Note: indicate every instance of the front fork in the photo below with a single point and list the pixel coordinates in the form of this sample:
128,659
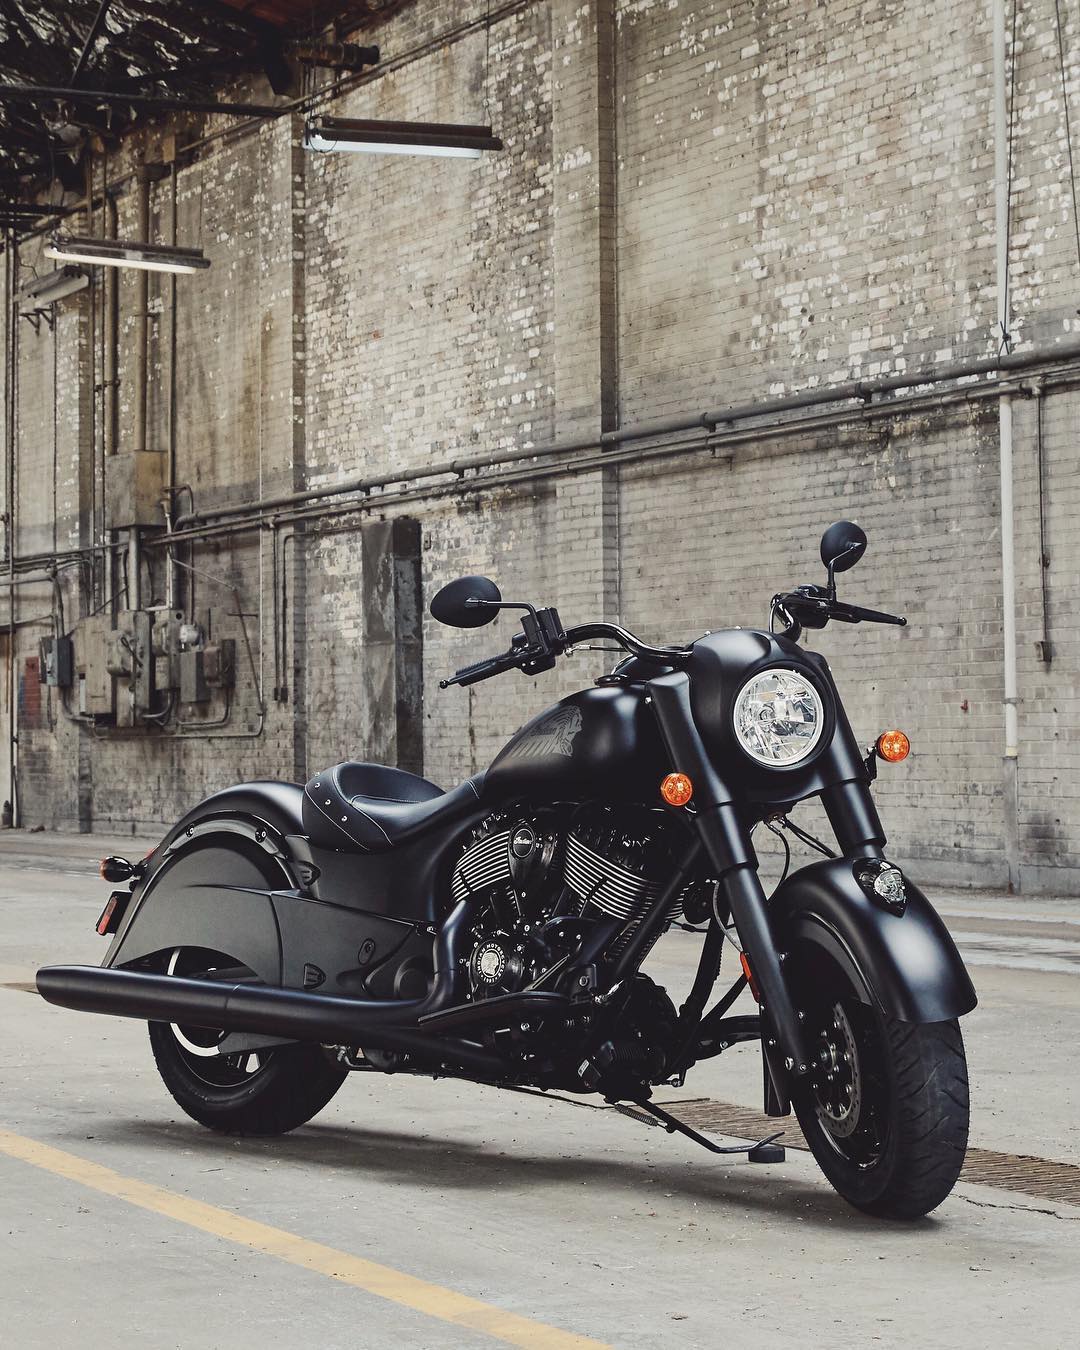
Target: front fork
727,844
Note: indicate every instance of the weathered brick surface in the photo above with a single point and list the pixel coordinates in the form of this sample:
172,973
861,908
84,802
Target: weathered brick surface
697,205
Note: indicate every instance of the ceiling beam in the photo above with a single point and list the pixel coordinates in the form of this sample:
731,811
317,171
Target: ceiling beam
91,38
33,93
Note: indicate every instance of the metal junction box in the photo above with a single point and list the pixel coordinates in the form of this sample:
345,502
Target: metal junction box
193,685
130,658
204,669
134,483
219,663
56,666
92,640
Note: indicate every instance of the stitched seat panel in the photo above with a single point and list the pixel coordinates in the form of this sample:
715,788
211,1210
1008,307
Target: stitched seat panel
373,808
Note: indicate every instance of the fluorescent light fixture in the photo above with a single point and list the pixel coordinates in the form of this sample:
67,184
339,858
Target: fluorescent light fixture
399,138
119,253
54,286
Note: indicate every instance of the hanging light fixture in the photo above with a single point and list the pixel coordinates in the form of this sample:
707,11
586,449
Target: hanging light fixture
120,253
58,285
399,138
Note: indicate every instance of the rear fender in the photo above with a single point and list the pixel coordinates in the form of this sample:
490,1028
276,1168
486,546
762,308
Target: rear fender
210,884
906,963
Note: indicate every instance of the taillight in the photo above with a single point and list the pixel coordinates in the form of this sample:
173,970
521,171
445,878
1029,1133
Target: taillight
113,912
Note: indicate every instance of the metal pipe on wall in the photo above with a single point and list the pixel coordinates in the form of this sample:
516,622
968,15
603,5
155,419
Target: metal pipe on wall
720,444
861,391
1044,646
111,380
142,374
170,460
11,357
142,305
1010,678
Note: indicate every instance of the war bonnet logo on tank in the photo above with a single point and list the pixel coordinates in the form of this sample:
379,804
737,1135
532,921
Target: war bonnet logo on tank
552,734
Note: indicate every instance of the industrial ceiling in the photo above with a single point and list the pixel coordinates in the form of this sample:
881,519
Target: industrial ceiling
156,48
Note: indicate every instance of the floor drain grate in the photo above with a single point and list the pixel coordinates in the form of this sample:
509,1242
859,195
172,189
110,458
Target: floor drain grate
1039,1177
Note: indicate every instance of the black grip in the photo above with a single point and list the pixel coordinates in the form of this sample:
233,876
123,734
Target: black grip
481,670
857,614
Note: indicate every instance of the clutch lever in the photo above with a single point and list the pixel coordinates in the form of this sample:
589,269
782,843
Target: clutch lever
482,670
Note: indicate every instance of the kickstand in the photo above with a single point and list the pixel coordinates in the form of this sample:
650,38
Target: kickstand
764,1151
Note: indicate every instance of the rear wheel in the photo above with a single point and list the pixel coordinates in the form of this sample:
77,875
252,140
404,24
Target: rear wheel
260,1091
886,1110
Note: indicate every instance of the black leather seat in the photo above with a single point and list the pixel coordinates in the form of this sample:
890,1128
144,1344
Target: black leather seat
373,808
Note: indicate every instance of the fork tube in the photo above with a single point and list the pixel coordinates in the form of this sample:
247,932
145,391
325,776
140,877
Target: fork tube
749,910
854,818
723,833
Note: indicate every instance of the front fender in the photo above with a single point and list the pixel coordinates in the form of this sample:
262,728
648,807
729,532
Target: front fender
907,963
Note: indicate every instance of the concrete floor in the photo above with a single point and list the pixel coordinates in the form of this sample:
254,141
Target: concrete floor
577,1221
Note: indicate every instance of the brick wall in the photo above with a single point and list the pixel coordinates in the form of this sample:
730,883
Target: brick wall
697,205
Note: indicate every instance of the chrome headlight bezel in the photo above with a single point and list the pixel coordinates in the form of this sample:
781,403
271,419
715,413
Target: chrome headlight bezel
809,747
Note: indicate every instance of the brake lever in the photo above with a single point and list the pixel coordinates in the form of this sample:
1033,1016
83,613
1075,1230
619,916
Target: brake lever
857,614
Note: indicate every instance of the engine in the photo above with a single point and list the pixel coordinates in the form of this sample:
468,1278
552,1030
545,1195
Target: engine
547,879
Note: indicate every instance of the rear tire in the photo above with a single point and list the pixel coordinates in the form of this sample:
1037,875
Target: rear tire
258,1092
889,1128
291,1085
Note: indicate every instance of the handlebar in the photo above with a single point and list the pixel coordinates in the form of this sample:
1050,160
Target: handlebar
543,638
665,656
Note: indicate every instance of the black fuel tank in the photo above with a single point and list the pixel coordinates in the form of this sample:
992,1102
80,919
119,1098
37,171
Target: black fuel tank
599,744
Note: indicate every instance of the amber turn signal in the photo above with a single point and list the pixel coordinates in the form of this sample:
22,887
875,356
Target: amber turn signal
115,870
676,789
892,746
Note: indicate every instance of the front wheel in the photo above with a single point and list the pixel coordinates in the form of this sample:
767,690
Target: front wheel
886,1110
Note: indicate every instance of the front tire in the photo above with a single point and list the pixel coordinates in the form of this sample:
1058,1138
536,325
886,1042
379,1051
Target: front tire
886,1111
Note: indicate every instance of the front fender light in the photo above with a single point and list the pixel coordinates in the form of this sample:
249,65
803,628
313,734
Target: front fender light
778,717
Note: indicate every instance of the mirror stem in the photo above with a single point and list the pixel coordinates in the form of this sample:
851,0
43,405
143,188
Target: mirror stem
474,602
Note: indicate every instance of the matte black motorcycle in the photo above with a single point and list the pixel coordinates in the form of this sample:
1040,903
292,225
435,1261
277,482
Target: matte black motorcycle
282,936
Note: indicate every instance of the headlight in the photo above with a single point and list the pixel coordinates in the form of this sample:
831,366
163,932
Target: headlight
779,717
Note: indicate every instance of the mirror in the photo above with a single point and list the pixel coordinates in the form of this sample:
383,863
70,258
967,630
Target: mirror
448,605
842,545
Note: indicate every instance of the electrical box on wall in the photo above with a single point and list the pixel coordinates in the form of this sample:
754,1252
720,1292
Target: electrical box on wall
219,663
167,641
193,684
128,662
92,640
129,658
56,665
134,483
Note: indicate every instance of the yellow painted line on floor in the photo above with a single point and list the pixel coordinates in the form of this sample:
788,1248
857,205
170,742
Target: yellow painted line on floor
383,1281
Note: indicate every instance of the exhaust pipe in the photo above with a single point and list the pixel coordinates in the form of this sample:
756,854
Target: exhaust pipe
265,1009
